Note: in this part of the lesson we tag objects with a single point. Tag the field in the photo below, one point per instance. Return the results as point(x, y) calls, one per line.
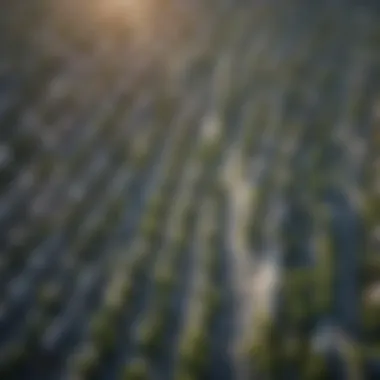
point(200, 203)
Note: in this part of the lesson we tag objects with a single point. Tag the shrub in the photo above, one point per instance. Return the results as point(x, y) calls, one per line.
point(193, 352)
point(265, 350)
point(150, 227)
point(127, 289)
point(36, 322)
point(165, 280)
point(139, 259)
point(183, 374)
point(180, 240)
point(156, 205)
point(49, 297)
point(103, 332)
point(211, 261)
point(297, 289)
point(12, 358)
point(316, 368)
point(151, 333)
point(86, 362)
point(370, 317)
point(212, 301)
point(137, 369)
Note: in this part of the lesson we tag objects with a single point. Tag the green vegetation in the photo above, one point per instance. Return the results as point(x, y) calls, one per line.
point(137, 369)
point(164, 200)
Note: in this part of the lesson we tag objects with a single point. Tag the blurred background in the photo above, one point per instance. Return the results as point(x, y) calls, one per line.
point(189, 190)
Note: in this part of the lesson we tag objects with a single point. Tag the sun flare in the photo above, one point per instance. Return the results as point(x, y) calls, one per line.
point(161, 33)
point(137, 15)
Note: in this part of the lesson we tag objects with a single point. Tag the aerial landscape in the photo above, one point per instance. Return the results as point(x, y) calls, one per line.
point(189, 190)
